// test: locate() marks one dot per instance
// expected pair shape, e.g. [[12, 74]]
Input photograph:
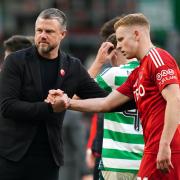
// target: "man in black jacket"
[[30, 130]]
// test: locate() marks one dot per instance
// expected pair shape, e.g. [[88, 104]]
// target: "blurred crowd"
[[17, 17], [85, 21]]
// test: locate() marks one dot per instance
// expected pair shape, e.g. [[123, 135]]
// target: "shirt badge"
[[62, 72]]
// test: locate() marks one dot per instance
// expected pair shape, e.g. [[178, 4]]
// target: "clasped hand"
[[58, 99]]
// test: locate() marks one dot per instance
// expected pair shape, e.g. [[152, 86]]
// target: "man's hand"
[[58, 100], [164, 158], [53, 94], [102, 57], [103, 53], [61, 103]]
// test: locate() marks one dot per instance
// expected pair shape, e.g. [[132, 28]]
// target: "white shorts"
[[110, 175]]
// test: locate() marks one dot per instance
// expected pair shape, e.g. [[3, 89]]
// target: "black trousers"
[[29, 168]]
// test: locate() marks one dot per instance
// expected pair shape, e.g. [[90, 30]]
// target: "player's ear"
[[136, 35]]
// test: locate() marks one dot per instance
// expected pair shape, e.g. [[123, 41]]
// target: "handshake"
[[58, 99]]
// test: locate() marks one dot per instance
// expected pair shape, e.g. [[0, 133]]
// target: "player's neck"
[[145, 49]]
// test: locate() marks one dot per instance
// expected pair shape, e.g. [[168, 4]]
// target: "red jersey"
[[157, 70]]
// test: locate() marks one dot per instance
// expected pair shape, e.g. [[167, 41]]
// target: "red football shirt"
[[157, 70]]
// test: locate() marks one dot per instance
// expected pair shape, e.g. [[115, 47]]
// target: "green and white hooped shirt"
[[123, 141]]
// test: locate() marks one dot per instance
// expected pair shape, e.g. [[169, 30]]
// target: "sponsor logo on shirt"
[[140, 91], [165, 75]]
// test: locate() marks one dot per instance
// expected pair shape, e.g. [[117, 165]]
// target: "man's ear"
[[136, 35], [63, 34]]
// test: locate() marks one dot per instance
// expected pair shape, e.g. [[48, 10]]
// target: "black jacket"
[[22, 106]]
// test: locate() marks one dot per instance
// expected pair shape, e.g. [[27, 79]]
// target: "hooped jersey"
[[157, 70], [123, 141]]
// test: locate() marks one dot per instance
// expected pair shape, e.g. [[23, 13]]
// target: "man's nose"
[[43, 34]]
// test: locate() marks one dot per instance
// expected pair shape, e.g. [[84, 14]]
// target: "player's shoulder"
[[132, 64], [160, 57], [163, 53], [108, 71]]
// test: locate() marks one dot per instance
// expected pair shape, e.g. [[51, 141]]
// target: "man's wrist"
[[99, 62], [69, 103], [164, 143], [50, 108]]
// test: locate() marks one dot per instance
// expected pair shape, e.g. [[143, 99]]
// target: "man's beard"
[[45, 49]]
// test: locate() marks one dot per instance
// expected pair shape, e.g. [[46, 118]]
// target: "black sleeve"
[[88, 88], [10, 92]]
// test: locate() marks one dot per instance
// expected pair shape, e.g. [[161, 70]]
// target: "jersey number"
[[134, 114]]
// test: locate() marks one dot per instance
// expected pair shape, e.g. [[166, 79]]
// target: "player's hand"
[[60, 103], [103, 53], [164, 163], [53, 94], [90, 159]]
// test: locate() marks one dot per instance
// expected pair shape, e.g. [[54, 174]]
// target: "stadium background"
[[85, 17]]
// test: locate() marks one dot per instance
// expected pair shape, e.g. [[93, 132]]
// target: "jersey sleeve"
[[164, 68]]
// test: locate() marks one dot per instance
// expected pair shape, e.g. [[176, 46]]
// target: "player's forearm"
[[95, 69], [88, 105], [172, 118], [101, 59]]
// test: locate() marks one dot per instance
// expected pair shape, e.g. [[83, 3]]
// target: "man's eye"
[[38, 30]]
